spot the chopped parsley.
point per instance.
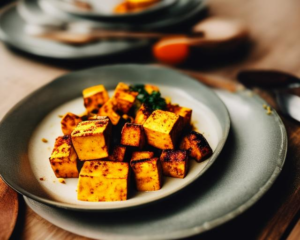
(153, 100)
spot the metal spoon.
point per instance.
(284, 85)
(289, 104)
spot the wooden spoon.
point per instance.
(210, 33)
(9, 207)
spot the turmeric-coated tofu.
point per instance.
(147, 173)
(91, 139)
(63, 159)
(109, 109)
(142, 114)
(151, 88)
(133, 135)
(196, 145)
(163, 129)
(124, 97)
(68, 123)
(174, 163)
(103, 181)
(94, 97)
(142, 155)
(184, 112)
(118, 154)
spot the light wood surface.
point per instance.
(274, 27)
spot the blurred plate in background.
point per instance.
(12, 31)
(105, 8)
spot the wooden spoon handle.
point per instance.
(84, 38)
(9, 207)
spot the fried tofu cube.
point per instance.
(163, 129)
(124, 97)
(151, 88)
(174, 163)
(109, 109)
(94, 97)
(147, 173)
(91, 139)
(118, 154)
(196, 145)
(184, 112)
(68, 123)
(142, 114)
(142, 155)
(133, 135)
(103, 181)
(63, 159)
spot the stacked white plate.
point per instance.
(165, 15)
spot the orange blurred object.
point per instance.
(129, 6)
(172, 50)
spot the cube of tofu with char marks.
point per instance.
(94, 97)
(133, 135)
(151, 88)
(163, 129)
(118, 154)
(63, 159)
(142, 155)
(103, 181)
(109, 109)
(91, 139)
(69, 122)
(142, 114)
(174, 163)
(124, 97)
(147, 173)
(196, 145)
(185, 113)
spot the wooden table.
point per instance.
(274, 26)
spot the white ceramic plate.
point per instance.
(62, 95)
(250, 162)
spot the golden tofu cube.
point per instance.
(94, 97)
(185, 113)
(196, 145)
(142, 155)
(91, 139)
(142, 114)
(69, 122)
(163, 129)
(151, 88)
(63, 159)
(174, 163)
(103, 181)
(118, 154)
(133, 135)
(147, 173)
(109, 109)
(124, 97)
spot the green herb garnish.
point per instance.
(153, 100)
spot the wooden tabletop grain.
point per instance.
(275, 34)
